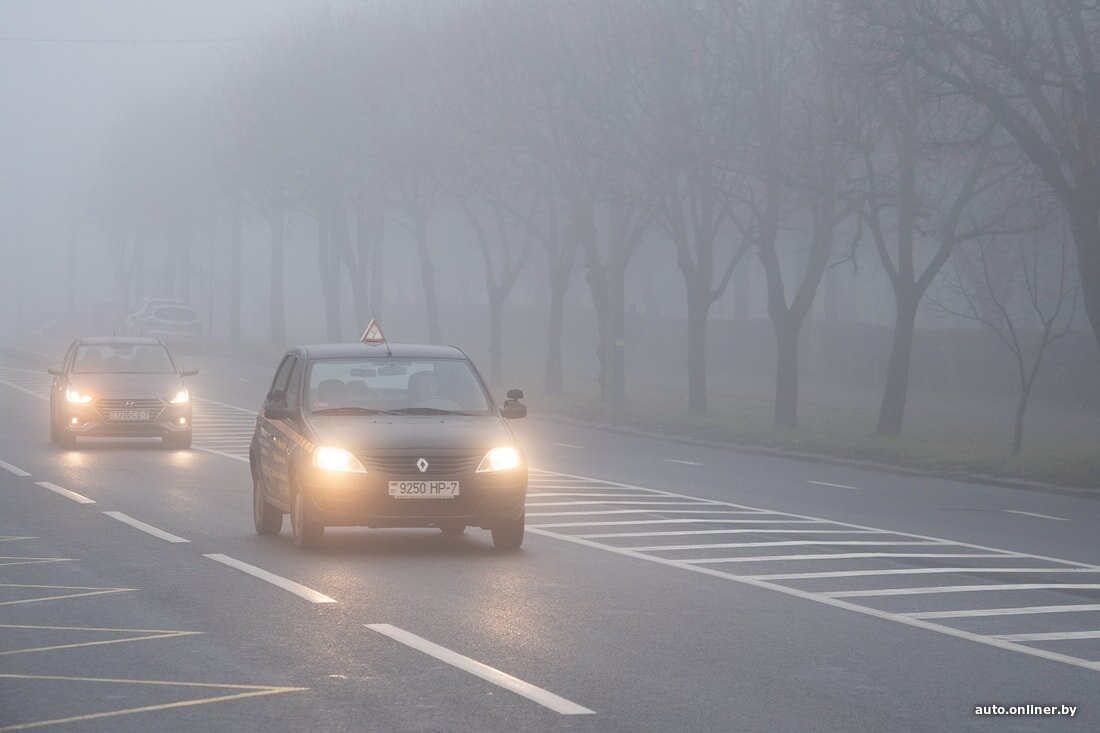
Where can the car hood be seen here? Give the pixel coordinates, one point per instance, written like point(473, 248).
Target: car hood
point(126, 385)
point(411, 432)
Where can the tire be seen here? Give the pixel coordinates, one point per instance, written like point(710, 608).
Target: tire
point(452, 529)
point(179, 441)
point(508, 535)
point(268, 519)
point(308, 534)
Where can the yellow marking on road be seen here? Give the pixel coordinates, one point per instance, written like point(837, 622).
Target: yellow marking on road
point(249, 691)
point(91, 592)
point(148, 634)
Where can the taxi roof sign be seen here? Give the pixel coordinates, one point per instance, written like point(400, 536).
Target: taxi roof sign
point(373, 334)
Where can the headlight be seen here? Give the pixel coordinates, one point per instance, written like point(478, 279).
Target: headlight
point(182, 396)
point(503, 458)
point(337, 459)
point(73, 395)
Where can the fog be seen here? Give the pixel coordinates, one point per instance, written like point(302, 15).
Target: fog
point(854, 204)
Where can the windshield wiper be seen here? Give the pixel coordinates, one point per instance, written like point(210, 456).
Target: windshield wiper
point(350, 411)
point(426, 411)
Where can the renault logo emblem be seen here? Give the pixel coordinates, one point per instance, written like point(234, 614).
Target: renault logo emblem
point(422, 464)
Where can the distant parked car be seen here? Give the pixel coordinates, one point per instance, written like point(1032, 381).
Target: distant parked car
point(171, 321)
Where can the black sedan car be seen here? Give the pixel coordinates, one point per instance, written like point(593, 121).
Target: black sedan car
point(120, 387)
point(386, 435)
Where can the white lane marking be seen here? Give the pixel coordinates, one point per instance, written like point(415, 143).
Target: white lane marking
point(226, 405)
point(277, 580)
point(222, 454)
point(785, 543)
point(916, 571)
point(1050, 636)
point(958, 589)
point(13, 469)
point(613, 535)
point(834, 602)
point(478, 669)
point(565, 445)
point(79, 498)
point(685, 463)
point(1033, 514)
point(147, 528)
point(672, 521)
point(242, 379)
point(681, 511)
point(1014, 611)
point(612, 503)
point(833, 556)
point(23, 390)
point(835, 486)
point(588, 494)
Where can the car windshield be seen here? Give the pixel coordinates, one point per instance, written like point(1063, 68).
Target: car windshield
point(395, 386)
point(122, 359)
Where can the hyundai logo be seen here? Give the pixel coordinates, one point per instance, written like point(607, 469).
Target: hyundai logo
point(422, 464)
point(128, 403)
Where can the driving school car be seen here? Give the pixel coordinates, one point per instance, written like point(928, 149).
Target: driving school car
point(386, 435)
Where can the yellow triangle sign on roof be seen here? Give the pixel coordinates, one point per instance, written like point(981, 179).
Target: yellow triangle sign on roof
point(373, 334)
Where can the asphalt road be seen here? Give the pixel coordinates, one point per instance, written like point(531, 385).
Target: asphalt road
point(662, 587)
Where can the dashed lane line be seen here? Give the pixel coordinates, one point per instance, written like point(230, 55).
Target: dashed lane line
point(147, 528)
point(16, 470)
point(835, 486)
point(78, 498)
point(277, 580)
point(1033, 514)
point(565, 445)
point(478, 669)
point(32, 560)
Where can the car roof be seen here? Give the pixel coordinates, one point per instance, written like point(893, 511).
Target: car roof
point(127, 340)
point(396, 350)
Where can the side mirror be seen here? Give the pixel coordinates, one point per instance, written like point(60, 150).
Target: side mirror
point(188, 372)
point(277, 412)
point(514, 409)
point(56, 372)
point(515, 394)
point(276, 397)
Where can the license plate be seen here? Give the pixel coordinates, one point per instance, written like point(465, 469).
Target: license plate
point(423, 489)
point(129, 415)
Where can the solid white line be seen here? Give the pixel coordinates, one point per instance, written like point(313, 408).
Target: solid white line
point(79, 498)
point(836, 486)
point(1016, 611)
point(23, 390)
point(686, 463)
point(207, 400)
point(916, 571)
point(13, 469)
point(681, 511)
point(613, 503)
point(783, 543)
point(588, 493)
point(835, 602)
point(147, 528)
point(831, 556)
point(484, 671)
point(288, 585)
point(672, 521)
point(612, 535)
point(565, 445)
point(957, 589)
point(1033, 514)
point(1050, 636)
point(242, 459)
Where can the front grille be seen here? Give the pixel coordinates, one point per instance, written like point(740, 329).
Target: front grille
point(104, 407)
point(439, 465)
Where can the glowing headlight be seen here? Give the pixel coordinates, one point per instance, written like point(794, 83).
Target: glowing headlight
point(73, 395)
point(182, 396)
point(337, 459)
point(503, 458)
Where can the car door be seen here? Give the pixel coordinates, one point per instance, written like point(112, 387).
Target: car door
point(271, 440)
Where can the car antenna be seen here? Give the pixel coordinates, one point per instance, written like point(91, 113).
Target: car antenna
point(373, 335)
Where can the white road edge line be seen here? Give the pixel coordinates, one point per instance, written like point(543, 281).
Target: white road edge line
point(565, 445)
point(277, 580)
point(13, 469)
point(1033, 514)
point(835, 486)
point(146, 528)
point(686, 463)
point(79, 498)
point(489, 674)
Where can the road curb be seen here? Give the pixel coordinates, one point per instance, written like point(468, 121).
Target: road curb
point(963, 476)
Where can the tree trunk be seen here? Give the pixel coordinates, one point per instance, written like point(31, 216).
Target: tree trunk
point(278, 304)
point(1018, 425)
point(330, 280)
point(894, 394)
point(1085, 224)
point(235, 276)
point(558, 285)
point(615, 342)
point(496, 340)
point(698, 308)
point(786, 371)
point(427, 280)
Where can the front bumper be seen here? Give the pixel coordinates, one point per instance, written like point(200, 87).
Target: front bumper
point(356, 499)
point(87, 420)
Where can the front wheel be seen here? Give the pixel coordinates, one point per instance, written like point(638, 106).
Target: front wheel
point(508, 535)
point(307, 532)
point(268, 519)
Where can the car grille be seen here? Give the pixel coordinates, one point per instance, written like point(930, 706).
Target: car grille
point(439, 465)
point(104, 407)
